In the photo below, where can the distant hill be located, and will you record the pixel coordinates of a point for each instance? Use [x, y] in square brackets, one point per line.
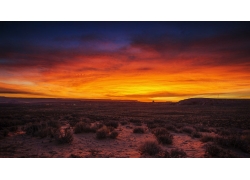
[53, 100]
[210, 101]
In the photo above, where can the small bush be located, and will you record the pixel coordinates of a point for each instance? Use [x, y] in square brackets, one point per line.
[139, 130]
[94, 152]
[215, 151]
[162, 135]
[124, 123]
[225, 132]
[157, 131]
[113, 124]
[43, 132]
[196, 134]
[5, 132]
[102, 133]
[188, 129]
[33, 129]
[152, 126]
[75, 156]
[96, 126]
[201, 128]
[235, 142]
[65, 136]
[13, 128]
[207, 138]
[177, 153]
[135, 121]
[72, 123]
[171, 127]
[159, 121]
[150, 147]
[113, 134]
[82, 127]
[165, 138]
[138, 124]
[110, 128]
[163, 154]
[54, 124]
[47, 131]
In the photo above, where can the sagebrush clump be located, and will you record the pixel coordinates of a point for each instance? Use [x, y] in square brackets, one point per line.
[82, 127]
[163, 136]
[113, 134]
[150, 147]
[139, 130]
[65, 136]
[102, 133]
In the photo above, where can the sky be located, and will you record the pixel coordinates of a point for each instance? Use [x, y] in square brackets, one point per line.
[144, 61]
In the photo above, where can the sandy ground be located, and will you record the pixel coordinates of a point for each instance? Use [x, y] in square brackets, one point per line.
[125, 146]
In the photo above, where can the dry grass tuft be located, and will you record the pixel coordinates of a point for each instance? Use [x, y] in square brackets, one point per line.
[207, 138]
[113, 124]
[163, 136]
[150, 148]
[139, 130]
[102, 133]
[65, 136]
[113, 134]
[177, 153]
[82, 127]
[215, 151]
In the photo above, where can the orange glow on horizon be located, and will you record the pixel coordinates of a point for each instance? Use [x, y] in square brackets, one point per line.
[103, 79]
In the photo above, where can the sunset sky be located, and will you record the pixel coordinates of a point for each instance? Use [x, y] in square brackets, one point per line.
[144, 61]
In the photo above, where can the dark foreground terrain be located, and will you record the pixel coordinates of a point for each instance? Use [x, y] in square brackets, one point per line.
[192, 128]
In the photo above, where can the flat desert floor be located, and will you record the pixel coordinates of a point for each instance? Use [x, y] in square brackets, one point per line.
[123, 130]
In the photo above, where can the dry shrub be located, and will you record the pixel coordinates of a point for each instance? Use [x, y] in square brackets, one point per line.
[113, 134]
[163, 154]
[225, 132]
[207, 138]
[44, 132]
[72, 123]
[113, 124]
[158, 121]
[41, 129]
[5, 132]
[152, 126]
[54, 124]
[215, 151]
[138, 130]
[137, 124]
[163, 136]
[124, 123]
[196, 134]
[235, 141]
[94, 152]
[33, 129]
[150, 147]
[157, 131]
[96, 126]
[102, 133]
[82, 127]
[75, 156]
[202, 128]
[177, 153]
[187, 129]
[110, 128]
[171, 127]
[65, 136]
[135, 121]
[13, 128]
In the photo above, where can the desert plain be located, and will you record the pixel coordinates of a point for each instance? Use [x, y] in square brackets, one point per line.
[193, 128]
